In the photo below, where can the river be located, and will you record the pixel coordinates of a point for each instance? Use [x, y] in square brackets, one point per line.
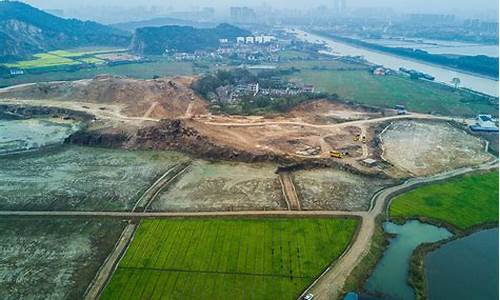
[438, 46]
[442, 74]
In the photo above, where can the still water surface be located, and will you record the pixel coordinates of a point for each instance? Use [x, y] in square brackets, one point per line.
[391, 273]
[464, 269]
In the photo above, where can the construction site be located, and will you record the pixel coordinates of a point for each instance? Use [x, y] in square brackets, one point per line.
[153, 149]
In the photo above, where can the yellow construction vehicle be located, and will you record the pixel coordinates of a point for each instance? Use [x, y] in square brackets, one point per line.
[336, 154]
[356, 138]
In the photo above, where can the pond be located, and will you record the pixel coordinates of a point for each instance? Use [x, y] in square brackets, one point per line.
[464, 269]
[24, 135]
[391, 273]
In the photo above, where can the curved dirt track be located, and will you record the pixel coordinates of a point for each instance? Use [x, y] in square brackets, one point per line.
[331, 282]
[337, 125]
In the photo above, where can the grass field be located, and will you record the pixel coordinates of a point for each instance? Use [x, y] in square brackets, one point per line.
[463, 202]
[79, 52]
[228, 258]
[61, 58]
[43, 60]
[387, 91]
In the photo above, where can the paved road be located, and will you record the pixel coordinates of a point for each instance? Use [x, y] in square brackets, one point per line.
[329, 285]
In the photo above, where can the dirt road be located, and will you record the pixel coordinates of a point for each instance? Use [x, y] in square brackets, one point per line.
[337, 125]
[135, 215]
[108, 267]
[289, 191]
[152, 192]
[100, 111]
[330, 283]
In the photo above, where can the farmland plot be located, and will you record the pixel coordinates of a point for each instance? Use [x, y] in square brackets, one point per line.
[228, 258]
[80, 178]
[52, 258]
[223, 186]
[333, 189]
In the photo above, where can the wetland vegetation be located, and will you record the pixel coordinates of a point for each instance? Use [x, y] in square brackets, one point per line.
[53, 258]
[80, 178]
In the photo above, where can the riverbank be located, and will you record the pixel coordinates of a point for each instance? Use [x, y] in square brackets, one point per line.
[441, 74]
[477, 65]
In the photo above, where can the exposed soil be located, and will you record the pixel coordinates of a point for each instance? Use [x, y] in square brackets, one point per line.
[332, 189]
[223, 186]
[331, 112]
[166, 114]
[156, 98]
[424, 148]
[52, 258]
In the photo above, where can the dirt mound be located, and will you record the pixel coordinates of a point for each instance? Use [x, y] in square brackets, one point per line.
[156, 98]
[329, 112]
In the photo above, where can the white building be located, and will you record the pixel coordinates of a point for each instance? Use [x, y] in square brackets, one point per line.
[240, 40]
[267, 38]
[249, 40]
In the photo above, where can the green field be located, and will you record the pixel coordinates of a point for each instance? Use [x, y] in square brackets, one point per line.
[462, 202]
[160, 67]
[43, 60]
[79, 52]
[228, 258]
[61, 58]
[361, 86]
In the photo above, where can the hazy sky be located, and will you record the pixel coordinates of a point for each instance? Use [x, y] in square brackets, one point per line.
[437, 6]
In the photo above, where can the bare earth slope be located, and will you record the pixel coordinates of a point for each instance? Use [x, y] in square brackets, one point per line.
[155, 98]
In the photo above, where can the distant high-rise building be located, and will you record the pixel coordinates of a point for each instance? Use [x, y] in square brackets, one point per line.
[242, 14]
[339, 6]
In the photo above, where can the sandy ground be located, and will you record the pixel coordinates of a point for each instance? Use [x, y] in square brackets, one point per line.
[331, 189]
[156, 98]
[223, 186]
[424, 148]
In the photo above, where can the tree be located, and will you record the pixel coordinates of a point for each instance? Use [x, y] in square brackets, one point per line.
[456, 82]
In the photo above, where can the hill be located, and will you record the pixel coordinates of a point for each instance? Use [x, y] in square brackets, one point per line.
[155, 40]
[25, 30]
[156, 98]
[160, 21]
